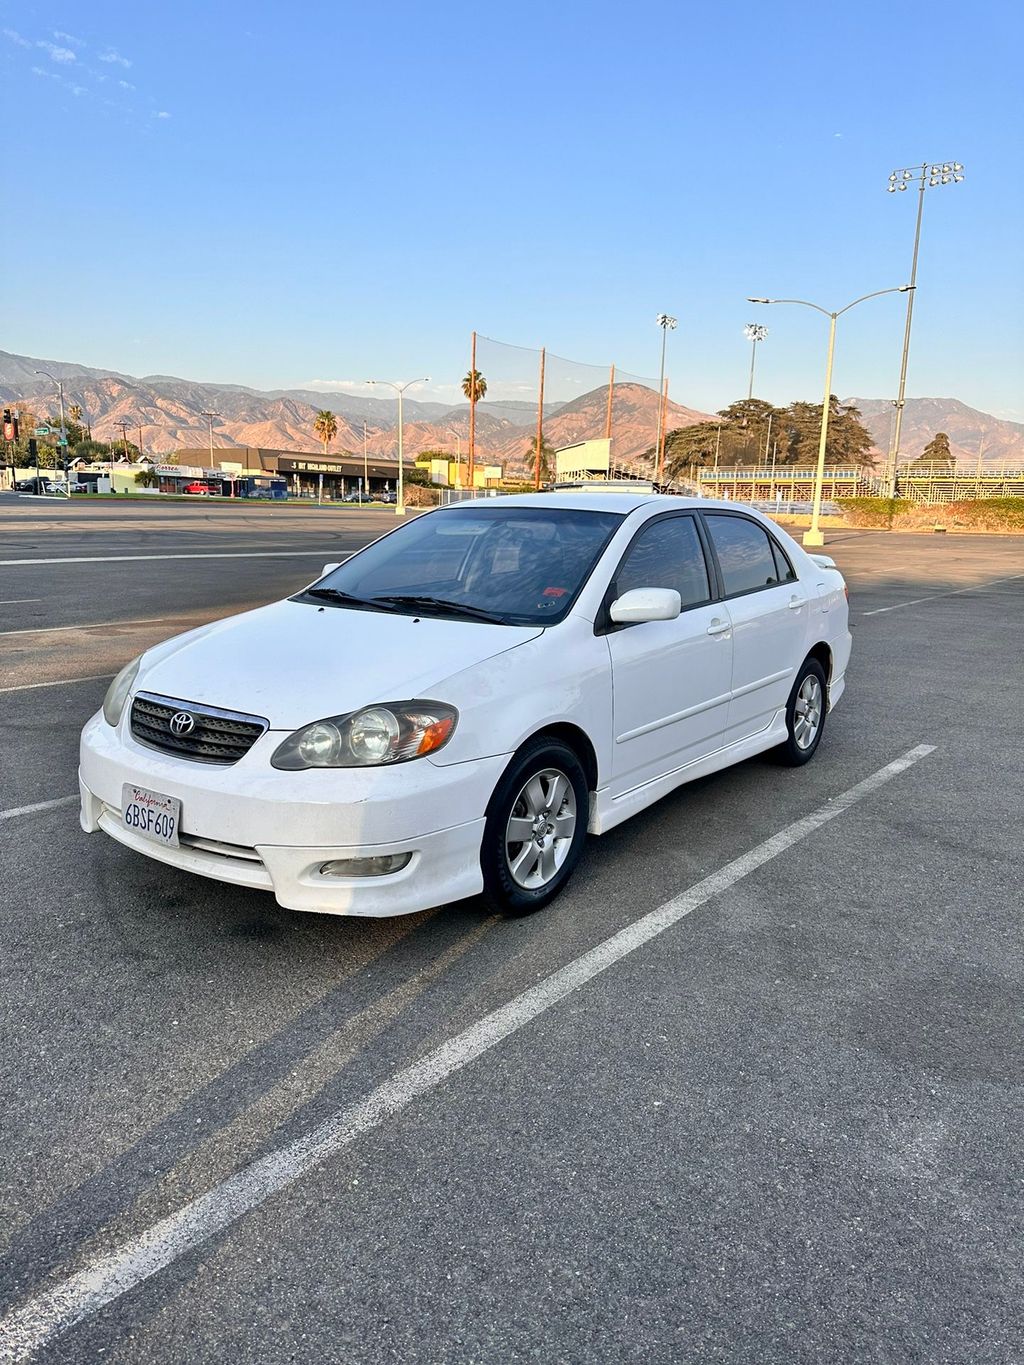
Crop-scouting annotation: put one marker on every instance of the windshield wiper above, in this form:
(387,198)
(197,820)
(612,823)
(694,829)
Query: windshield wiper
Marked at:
(442,607)
(345,598)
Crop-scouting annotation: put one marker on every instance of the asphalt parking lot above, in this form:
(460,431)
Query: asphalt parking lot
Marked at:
(785,1128)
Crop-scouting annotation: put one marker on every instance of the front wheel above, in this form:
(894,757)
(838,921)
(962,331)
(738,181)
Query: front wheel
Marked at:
(805,715)
(536,827)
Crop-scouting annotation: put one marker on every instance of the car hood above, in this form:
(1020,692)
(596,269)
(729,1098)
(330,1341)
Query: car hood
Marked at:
(293,662)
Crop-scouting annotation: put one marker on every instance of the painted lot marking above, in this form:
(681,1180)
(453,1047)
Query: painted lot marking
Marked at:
(58,682)
(954,592)
(204,554)
(106,1277)
(94,625)
(13,601)
(38,806)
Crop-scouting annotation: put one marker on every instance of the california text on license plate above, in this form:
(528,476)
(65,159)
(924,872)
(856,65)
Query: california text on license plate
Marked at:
(151,814)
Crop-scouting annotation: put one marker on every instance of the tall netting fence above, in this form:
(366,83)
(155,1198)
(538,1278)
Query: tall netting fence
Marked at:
(581,402)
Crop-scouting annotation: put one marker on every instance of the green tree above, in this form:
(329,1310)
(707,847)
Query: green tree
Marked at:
(936,455)
(547,459)
(849,442)
(474,379)
(147,478)
(325,424)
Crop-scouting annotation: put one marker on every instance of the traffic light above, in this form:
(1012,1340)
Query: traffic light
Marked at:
(33,450)
(9,434)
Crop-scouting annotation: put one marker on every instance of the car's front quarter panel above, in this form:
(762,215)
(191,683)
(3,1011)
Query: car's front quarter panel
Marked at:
(562,676)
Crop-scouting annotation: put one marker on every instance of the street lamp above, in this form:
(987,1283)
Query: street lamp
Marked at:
(813,536)
(754,332)
(63,429)
(209,419)
(458,451)
(667,324)
(400,390)
(927,176)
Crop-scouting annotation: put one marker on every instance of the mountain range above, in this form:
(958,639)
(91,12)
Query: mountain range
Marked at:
(170,412)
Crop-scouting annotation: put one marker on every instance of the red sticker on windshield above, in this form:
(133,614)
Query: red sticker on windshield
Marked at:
(555,592)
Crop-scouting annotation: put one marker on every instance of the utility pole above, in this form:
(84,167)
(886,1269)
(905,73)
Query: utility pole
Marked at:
(540,422)
(366,468)
(472,411)
(400,390)
(210,415)
(124,438)
(608,414)
(927,176)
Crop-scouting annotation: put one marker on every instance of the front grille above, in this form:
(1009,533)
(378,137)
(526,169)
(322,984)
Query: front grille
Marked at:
(215,737)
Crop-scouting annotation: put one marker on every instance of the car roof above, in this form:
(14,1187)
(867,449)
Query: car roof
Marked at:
(595,501)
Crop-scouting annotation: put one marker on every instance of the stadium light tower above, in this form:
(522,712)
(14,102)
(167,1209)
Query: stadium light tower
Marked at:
(754,332)
(813,536)
(926,176)
(667,324)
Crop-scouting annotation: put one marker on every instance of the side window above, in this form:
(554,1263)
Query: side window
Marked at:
(744,552)
(782,564)
(667,554)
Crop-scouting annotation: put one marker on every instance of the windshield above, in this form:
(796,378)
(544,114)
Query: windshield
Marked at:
(513,566)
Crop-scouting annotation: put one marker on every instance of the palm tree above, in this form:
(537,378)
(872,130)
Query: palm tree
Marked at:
(325,424)
(468,386)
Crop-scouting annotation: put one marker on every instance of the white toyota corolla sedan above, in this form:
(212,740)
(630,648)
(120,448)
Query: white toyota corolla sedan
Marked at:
(454,708)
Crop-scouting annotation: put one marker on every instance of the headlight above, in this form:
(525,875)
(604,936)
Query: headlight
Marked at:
(392,733)
(117,692)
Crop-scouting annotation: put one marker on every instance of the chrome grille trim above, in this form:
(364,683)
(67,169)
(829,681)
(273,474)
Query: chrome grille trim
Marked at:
(220,736)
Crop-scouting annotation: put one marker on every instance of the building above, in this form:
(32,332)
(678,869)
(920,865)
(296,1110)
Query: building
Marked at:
(341,473)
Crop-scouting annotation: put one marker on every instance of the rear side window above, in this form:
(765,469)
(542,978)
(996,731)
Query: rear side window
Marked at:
(744,552)
(667,554)
(782,564)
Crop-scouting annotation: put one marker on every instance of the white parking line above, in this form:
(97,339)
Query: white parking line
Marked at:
(106,1277)
(38,806)
(205,554)
(13,601)
(95,625)
(954,592)
(58,682)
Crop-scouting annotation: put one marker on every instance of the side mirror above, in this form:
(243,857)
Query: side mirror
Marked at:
(646,604)
(329,568)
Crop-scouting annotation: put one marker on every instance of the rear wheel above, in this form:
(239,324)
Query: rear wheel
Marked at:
(536,827)
(805,715)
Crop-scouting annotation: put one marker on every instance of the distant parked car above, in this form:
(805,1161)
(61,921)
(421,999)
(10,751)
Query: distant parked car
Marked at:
(201,490)
(39,485)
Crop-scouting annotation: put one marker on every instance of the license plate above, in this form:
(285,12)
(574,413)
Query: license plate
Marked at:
(151,814)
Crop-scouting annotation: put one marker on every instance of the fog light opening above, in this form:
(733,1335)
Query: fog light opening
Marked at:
(380,866)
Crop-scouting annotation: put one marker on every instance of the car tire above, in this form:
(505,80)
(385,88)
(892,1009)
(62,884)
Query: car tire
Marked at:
(805,715)
(543,790)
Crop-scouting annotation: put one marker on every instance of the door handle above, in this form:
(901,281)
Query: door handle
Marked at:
(718,626)
(795,603)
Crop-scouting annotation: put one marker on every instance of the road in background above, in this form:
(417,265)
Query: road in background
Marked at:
(789,1129)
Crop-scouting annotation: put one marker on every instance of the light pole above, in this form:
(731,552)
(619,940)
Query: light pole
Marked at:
(458,453)
(400,390)
(63,429)
(754,332)
(209,415)
(366,467)
(667,324)
(813,536)
(927,176)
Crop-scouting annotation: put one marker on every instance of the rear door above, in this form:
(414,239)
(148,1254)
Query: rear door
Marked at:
(670,679)
(768,607)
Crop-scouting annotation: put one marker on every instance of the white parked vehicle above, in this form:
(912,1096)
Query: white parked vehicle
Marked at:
(456,706)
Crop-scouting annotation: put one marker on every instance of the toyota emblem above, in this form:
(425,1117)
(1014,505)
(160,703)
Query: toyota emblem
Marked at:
(181,723)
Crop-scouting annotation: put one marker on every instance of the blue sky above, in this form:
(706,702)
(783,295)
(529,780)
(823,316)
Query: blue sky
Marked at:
(270,194)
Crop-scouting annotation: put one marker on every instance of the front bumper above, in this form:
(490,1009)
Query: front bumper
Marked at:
(252,825)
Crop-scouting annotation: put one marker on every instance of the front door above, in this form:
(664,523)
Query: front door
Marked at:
(670,679)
